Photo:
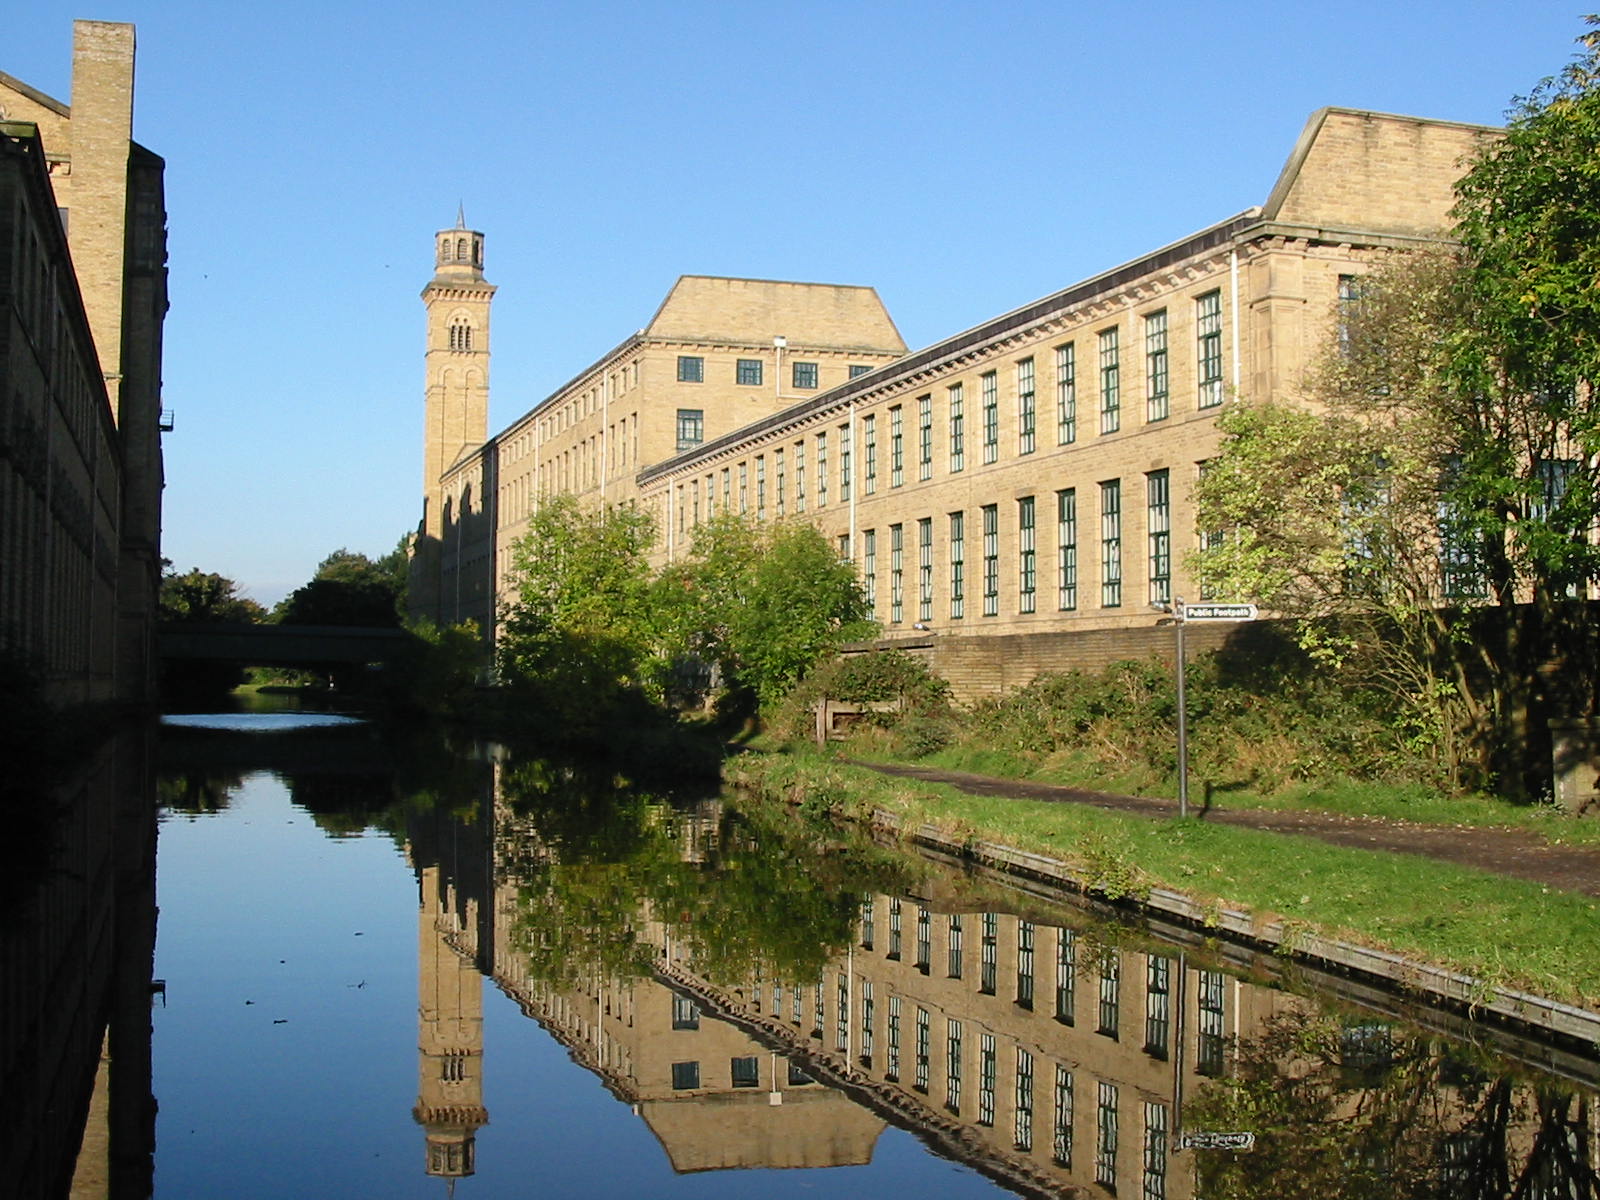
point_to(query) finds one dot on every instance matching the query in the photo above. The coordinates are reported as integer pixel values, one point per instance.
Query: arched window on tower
(461, 250)
(461, 336)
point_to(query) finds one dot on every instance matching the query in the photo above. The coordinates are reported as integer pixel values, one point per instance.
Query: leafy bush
(1262, 718)
(890, 676)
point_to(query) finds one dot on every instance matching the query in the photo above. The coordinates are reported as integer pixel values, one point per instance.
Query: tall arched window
(461, 250)
(461, 336)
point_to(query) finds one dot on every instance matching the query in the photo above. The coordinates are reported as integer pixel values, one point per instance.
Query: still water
(396, 968)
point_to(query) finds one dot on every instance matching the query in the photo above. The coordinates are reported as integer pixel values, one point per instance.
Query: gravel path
(1506, 851)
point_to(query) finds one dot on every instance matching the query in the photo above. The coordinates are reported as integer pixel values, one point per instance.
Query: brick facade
(1033, 475)
(83, 273)
(717, 355)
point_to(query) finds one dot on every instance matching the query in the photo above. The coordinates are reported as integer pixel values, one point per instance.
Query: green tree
(198, 595)
(340, 602)
(349, 588)
(1432, 519)
(763, 602)
(580, 625)
(799, 602)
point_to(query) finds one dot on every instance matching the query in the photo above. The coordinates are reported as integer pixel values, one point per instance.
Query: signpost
(1182, 614)
(1218, 612)
(1206, 1140)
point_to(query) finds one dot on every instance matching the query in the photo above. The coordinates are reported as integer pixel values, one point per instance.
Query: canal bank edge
(1283, 938)
(1454, 990)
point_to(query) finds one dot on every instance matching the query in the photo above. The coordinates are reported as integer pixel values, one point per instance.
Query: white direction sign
(1205, 1140)
(1219, 612)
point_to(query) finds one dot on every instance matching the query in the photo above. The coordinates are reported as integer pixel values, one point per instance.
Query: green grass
(1346, 797)
(1504, 931)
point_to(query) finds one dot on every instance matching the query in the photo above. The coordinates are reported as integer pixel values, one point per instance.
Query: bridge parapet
(279, 645)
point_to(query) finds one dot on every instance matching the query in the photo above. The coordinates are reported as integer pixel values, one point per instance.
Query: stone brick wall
(980, 667)
(1396, 173)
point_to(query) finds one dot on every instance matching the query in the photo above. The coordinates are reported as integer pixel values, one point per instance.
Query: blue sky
(962, 158)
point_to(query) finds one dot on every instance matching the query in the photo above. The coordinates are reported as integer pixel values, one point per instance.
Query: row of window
(461, 250)
(38, 287)
(1158, 987)
(748, 372)
(743, 1072)
(918, 1073)
(956, 1050)
(594, 398)
(958, 557)
(955, 426)
(736, 496)
(1107, 381)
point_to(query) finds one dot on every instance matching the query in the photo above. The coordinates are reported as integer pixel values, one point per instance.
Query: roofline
(858, 287)
(34, 94)
(1313, 127)
(1212, 237)
(627, 343)
(60, 109)
(644, 335)
(26, 136)
(854, 287)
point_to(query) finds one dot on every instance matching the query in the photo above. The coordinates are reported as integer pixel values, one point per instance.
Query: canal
(391, 965)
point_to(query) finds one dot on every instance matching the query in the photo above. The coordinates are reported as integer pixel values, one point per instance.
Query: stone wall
(978, 667)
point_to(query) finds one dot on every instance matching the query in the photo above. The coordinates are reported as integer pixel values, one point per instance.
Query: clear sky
(962, 158)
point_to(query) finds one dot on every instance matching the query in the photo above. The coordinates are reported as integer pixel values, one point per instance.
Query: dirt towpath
(1507, 851)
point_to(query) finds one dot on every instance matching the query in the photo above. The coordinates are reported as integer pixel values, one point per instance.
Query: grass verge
(1395, 802)
(1505, 932)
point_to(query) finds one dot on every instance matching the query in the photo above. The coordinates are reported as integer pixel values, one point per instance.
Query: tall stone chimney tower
(456, 399)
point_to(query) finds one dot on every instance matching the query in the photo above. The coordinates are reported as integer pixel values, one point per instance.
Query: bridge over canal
(279, 645)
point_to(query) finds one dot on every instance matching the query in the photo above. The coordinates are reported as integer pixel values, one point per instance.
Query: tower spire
(456, 400)
(461, 214)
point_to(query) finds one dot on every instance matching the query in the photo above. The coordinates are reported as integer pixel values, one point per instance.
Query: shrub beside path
(1504, 851)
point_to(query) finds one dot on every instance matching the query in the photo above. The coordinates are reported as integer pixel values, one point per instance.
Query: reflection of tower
(449, 1034)
(456, 404)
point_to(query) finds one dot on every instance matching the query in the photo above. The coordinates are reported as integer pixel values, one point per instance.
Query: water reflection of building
(449, 1028)
(453, 861)
(77, 945)
(715, 1096)
(1052, 1055)
(1057, 1061)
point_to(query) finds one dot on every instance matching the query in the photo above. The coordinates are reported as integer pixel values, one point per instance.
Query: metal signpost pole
(1182, 614)
(1183, 713)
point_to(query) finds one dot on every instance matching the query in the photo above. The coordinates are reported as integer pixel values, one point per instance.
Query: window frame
(1027, 558)
(687, 418)
(1208, 348)
(1158, 525)
(955, 396)
(1111, 543)
(1066, 394)
(1067, 550)
(958, 544)
(991, 560)
(925, 437)
(989, 392)
(1110, 379)
(1026, 406)
(1157, 367)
